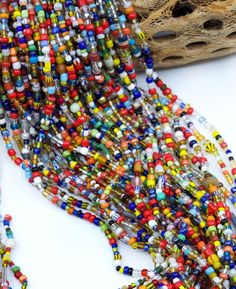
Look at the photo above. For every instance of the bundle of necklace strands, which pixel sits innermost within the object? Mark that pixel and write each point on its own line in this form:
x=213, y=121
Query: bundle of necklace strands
x=94, y=143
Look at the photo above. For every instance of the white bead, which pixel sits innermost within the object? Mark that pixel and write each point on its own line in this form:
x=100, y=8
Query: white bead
x=25, y=151
x=84, y=151
x=175, y=280
x=119, y=231
x=152, y=224
x=216, y=280
x=131, y=86
x=25, y=135
x=164, y=264
x=227, y=232
x=232, y=273
x=117, y=262
x=151, y=274
x=151, y=239
x=16, y=65
x=68, y=58
x=10, y=243
x=46, y=50
x=75, y=107
x=220, y=253
x=58, y=6
x=37, y=180
x=226, y=284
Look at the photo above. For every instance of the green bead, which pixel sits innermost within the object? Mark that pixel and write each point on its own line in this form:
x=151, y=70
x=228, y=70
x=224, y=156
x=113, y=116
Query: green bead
x=161, y=196
x=15, y=269
x=181, y=237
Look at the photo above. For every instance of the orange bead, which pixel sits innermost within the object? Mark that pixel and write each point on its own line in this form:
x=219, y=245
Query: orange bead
x=212, y=189
x=120, y=171
x=132, y=240
x=109, y=144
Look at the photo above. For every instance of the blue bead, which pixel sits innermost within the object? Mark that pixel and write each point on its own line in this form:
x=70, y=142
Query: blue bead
x=36, y=151
x=209, y=270
x=55, y=30
x=126, y=270
x=132, y=206
x=97, y=221
x=63, y=205
x=6, y=223
x=233, y=190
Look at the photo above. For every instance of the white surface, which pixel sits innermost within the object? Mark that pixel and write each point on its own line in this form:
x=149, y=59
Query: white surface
x=58, y=251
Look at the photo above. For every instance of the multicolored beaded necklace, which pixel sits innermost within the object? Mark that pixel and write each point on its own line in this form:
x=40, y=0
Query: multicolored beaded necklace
x=129, y=160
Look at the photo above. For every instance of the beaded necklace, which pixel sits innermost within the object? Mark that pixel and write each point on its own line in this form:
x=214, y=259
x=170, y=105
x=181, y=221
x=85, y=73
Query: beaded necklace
x=128, y=160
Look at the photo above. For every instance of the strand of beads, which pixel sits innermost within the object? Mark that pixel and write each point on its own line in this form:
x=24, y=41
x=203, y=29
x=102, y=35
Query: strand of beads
x=98, y=146
x=6, y=248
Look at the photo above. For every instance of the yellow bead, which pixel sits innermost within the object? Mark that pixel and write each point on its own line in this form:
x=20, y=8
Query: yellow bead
x=197, y=204
x=215, y=133
x=96, y=156
x=116, y=61
x=151, y=183
x=233, y=279
x=168, y=140
x=45, y=172
x=166, y=211
x=156, y=212
x=16, y=14
x=141, y=35
x=200, y=194
x=217, y=243
x=47, y=67
x=183, y=153
x=143, y=178
x=126, y=80
x=202, y=224
x=72, y=165
x=63, y=119
x=217, y=265
x=96, y=110
x=109, y=43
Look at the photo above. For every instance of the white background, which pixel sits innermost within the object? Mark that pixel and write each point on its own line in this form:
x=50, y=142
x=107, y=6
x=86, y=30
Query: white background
x=58, y=251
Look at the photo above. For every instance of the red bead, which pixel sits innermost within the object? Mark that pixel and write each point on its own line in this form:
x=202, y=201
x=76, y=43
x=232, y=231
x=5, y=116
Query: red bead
x=163, y=244
x=11, y=152
x=159, y=83
x=28, y=32
x=90, y=27
x=190, y=110
x=66, y=144
x=112, y=241
x=144, y=272
x=85, y=142
x=164, y=119
x=99, y=30
x=87, y=216
x=167, y=91
x=132, y=16
x=36, y=174
x=18, y=161
x=141, y=206
x=174, y=98
x=194, y=159
x=8, y=217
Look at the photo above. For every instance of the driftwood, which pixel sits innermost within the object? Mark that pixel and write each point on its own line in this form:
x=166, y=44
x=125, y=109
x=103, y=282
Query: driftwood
x=184, y=31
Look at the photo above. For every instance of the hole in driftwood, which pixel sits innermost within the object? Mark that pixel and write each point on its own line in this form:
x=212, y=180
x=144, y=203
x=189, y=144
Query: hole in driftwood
x=174, y=58
x=164, y=35
x=182, y=9
x=232, y=35
x=221, y=49
x=213, y=24
x=196, y=45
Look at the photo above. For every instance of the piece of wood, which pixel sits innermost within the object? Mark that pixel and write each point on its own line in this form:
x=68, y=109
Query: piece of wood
x=184, y=31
